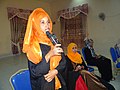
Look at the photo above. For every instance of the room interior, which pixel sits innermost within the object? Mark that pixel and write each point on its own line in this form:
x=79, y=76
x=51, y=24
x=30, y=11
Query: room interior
x=103, y=21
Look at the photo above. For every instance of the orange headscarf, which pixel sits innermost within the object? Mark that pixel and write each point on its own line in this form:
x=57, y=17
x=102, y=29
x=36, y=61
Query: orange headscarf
x=74, y=57
x=33, y=36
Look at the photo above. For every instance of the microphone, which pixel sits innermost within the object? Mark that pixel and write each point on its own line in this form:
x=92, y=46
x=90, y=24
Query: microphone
x=52, y=37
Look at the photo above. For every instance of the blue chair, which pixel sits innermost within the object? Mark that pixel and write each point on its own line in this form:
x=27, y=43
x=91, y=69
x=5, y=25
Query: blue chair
x=114, y=59
x=117, y=52
x=21, y=80
x=83, y=53
x=90, y=69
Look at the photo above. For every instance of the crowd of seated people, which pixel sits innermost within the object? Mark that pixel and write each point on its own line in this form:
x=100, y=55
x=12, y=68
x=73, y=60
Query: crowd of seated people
x=76, y=67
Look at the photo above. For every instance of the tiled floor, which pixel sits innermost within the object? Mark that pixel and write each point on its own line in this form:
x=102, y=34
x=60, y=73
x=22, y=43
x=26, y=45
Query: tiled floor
x=10, y=65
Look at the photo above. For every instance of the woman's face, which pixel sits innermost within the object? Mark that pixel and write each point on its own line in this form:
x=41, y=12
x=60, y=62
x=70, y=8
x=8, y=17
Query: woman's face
x=45, y=24
x=74, y=49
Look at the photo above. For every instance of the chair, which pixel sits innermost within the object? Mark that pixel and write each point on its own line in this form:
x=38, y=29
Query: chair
x=114, y=59
x=90, y=69
x=21, y=80
x=117, y=52
x=83, y=53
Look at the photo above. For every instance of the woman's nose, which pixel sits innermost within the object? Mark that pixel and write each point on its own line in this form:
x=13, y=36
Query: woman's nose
x=46, y=25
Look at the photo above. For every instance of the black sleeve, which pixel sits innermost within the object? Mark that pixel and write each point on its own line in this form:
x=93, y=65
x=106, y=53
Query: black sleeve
x=69, y=64
x=37, y=70
x=88, y=54
x=42, y=68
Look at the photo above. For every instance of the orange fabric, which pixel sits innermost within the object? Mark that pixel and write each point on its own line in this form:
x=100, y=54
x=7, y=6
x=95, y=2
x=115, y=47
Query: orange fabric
x=74, y=57
x=33, y=36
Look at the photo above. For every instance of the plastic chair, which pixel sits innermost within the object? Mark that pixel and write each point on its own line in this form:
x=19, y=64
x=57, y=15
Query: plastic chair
x=118, y=52
x=21, y=80
x=83, y=53
x=114, y=59
x=90, y=69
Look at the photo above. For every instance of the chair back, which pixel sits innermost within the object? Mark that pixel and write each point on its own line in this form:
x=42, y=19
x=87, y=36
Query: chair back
x=21, y=80
x=83, y=53
x=117, y=52
x=79, y=51
x=113, y=54
x=90, y=69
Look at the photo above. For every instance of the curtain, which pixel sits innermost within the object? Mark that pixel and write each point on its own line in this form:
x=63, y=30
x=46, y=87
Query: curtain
x=17, y=33
x=18, y=21
x=73, y=25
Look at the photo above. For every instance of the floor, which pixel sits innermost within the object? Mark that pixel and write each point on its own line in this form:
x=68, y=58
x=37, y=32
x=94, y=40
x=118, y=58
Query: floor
x=12, y=64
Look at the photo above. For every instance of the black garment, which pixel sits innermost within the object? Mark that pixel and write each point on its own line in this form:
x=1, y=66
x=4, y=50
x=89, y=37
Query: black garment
x=70, y=75
x=37, y=72
x=90, y=79
x=103, y=64
x=108, y=85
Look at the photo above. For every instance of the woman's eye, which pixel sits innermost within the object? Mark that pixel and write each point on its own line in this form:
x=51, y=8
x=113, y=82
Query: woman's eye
x=42, y=22
x=48, y=22
x=74, y=48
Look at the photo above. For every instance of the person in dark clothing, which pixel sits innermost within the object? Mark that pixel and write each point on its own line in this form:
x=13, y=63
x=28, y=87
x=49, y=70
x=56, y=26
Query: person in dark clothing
x=103, y=63
x=46, y=62
x=76, y=67
x=74, y=64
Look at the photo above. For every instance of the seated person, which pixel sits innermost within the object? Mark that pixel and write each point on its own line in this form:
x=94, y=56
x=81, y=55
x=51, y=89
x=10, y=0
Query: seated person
x=75, y=67
x=117, y=48
x=103, y=63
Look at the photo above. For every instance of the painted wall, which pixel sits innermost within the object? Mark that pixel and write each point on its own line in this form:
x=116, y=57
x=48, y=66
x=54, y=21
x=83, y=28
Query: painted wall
x=104, y=33
x=5, y=33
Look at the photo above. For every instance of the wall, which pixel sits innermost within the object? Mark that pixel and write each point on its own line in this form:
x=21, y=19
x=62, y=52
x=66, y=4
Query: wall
x=104, y=33
x=5, y=33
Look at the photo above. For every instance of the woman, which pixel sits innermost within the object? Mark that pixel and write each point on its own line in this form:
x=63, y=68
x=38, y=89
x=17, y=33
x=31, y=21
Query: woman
x=76, y=67
x=74, y=64
x=45, y=61
x=103, y=63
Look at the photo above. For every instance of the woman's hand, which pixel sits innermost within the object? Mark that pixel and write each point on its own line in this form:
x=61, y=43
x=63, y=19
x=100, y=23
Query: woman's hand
x=78, y=68
x=51, y=75
x=82, y=67
x=56, y=50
